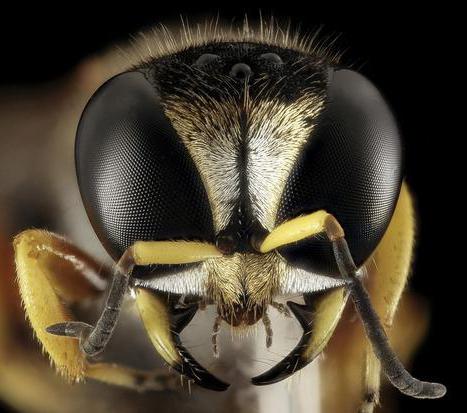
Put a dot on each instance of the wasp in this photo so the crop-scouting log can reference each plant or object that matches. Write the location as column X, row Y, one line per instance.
column 230, row 170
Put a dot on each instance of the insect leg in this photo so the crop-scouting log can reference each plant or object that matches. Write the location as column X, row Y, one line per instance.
column 51, row 273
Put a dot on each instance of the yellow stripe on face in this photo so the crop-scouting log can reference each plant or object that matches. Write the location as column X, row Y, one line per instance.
column 295, row 230
column 172, row 252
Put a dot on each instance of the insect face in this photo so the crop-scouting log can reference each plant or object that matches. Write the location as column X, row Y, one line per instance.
column 255, row 171
column 222, row 143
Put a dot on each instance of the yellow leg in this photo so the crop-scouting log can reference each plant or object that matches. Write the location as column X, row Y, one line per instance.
column 51, row 271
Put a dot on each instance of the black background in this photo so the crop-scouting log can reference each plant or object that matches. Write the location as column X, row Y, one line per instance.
column 410, row 54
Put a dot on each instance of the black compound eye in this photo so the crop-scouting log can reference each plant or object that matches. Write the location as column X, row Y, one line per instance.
column 351, row 167
column 137, row 179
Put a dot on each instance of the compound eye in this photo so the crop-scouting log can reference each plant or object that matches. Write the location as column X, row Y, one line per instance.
column 137, row 179
column 351, row 167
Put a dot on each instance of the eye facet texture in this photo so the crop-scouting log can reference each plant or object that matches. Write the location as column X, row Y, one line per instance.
column 351, row 167
column 137, row 180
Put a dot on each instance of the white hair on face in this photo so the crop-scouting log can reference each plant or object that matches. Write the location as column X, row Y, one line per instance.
column 190, row 281
column 278, row 131
column 298, row 281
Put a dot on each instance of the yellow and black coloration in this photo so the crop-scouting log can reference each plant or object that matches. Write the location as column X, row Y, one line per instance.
column 232, row 169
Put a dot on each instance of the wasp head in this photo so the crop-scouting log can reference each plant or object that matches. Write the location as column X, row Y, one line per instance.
column 222, row 142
